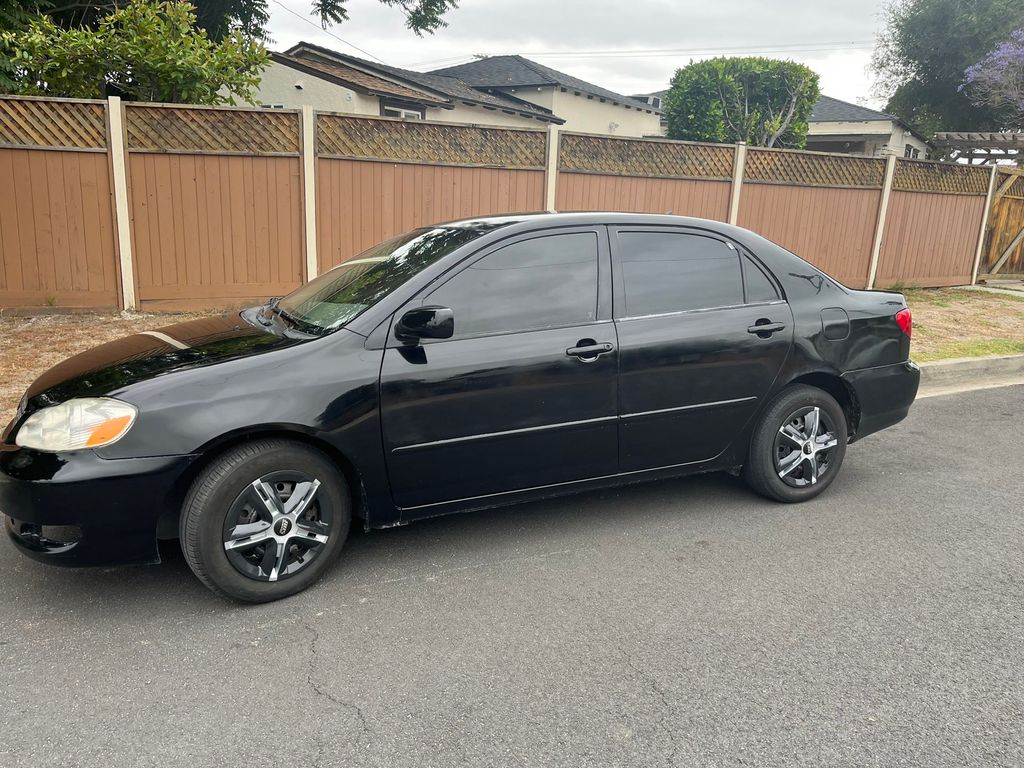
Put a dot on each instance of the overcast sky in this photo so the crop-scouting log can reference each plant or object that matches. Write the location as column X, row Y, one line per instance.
column 599, row 40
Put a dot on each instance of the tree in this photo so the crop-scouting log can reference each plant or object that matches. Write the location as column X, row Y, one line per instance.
column 997, row 81
column 146, row 51
column 221, row 17
column 765, row 102
column 923, row 50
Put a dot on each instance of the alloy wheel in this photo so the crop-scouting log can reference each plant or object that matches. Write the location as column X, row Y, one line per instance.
column 277, row 526
column 804, row 447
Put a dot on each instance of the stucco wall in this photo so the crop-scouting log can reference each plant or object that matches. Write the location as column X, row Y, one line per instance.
column 591, row 115
column 882, row 137
column 278, row 87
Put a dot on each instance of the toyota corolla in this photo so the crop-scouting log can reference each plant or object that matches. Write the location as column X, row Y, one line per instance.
column 456, row 367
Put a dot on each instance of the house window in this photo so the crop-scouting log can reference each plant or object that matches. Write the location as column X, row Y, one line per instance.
column 405, row 113
column 272, row 106
column 912, row 152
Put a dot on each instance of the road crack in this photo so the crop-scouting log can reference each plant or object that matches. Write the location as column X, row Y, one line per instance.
column 322, row 692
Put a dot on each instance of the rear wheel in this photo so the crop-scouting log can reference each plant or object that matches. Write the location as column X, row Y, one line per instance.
column 798, row 446
column 265, row 520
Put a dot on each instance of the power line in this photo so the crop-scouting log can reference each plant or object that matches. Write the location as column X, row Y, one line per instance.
column 791, row 48
column 841, row 45
column 328, row 32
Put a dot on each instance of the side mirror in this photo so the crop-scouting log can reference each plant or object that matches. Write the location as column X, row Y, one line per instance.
column 425, row 323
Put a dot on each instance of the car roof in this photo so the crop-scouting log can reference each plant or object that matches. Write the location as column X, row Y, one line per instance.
column 526, row 222
column 540, row 219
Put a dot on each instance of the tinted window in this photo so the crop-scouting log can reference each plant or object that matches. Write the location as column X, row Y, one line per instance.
column 337, row 296
column 672, row 272
column 540, row 283
column 757, row 284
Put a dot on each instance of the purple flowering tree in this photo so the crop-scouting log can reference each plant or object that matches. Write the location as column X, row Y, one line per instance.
column 998, row 79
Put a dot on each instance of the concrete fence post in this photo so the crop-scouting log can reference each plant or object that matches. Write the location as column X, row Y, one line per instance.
column 551, row 169
column 883, row 211
column 119, row 171
column 739, row 166
column 984, row 222
column 309, row 188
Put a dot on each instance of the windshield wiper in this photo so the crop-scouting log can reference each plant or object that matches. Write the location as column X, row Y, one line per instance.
column 269, row 307
column 301, row 325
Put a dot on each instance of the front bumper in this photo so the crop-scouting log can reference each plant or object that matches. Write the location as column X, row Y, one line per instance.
column 79, row 509
column 884, row 395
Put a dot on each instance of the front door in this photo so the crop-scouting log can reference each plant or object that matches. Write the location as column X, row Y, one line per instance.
column 694, row 367
column 524, row 394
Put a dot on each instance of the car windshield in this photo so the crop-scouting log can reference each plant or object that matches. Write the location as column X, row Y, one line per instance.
column 339, row 295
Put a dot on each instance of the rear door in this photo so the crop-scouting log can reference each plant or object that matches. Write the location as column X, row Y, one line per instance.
column 525, row 392
column 694, row 366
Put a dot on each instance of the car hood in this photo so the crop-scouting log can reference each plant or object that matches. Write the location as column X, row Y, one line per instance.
column 117, row 364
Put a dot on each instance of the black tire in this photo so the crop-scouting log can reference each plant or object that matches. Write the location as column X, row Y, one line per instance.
column 810, row 468
column 228, row 484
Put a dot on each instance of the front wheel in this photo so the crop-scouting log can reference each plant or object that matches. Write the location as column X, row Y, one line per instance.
column 265, row 520
column 798, row 446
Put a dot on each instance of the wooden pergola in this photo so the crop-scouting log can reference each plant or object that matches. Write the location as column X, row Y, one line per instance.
column 981, row 147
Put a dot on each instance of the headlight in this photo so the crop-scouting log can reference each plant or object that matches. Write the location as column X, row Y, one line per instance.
column 85, row 422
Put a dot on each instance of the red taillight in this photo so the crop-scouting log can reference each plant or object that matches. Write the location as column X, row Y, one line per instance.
column 906, row 322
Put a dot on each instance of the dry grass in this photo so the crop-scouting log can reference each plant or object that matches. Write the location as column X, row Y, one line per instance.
column 948, row 322
column 953, row 322
column 30, row 345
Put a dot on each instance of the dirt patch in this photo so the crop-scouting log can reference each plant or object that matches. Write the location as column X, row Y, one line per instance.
column 31, row 345
column 953, row 322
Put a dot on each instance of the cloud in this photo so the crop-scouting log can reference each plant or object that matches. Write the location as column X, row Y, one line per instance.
column 586, row 37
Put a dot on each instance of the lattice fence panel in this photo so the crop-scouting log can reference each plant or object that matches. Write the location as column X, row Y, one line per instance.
column 948, row 178
column 217, row 131
column 1016, row 189
column 644, row 157
column 434, row 143
column 50, row 123
column 813, row 170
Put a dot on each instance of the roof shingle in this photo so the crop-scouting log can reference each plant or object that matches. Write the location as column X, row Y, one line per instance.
column 829, row 110
column 517, row 71
column 356, row 77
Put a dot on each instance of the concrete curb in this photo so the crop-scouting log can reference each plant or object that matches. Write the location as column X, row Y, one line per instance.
column 971, row 372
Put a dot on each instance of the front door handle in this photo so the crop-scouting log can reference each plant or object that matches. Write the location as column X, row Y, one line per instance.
column 765, row 328
column 588, row 350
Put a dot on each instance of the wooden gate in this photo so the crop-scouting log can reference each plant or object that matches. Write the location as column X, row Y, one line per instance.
column 1004, row 239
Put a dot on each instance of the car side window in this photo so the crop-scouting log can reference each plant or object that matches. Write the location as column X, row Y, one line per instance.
column 756, row 283
column 674, row 271
column 544, row 282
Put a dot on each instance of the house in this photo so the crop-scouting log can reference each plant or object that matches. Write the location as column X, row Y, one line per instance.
column 656, row 99
column 839, row 126
column 581, row 105
column 335, row 82
column 499, row 90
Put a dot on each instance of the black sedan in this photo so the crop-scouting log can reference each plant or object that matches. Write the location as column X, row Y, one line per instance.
column 456, row 367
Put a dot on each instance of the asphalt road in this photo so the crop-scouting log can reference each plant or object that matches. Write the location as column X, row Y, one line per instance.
column 685, row 623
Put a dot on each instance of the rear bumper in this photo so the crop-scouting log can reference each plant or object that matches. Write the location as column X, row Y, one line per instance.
column 884, row 395
column 78, row 509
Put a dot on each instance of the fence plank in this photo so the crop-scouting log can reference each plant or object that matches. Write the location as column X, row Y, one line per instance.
column 359, row 200
column 215, row 230
column 56, row 230
column 930, row 239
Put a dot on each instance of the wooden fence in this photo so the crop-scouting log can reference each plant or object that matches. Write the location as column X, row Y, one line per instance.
column 104, row 204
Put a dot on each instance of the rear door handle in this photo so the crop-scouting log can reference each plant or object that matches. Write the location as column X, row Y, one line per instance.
column 587, row 350
column 765, row 329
